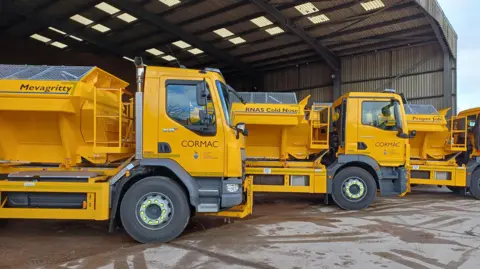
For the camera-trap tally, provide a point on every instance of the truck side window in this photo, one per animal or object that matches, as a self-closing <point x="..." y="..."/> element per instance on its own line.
<point x="379" y="114"/>
<point x="182" y="105"/>
<point x="471" y="120"/>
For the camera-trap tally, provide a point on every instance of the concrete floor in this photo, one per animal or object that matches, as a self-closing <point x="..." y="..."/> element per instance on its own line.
<point x="421" y="230"/>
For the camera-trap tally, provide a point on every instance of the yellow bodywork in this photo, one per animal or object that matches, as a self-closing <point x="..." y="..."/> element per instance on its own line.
<point x="217" y="155"/>
<point x="283" y="131"/>
<point x="472" y="116"/>
<point x="436" y="137"/>
<point x="63" y="121"/>
<point x="282" y="138"/>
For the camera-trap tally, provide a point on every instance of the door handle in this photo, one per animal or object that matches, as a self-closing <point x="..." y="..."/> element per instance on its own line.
<point x="361" y="146"/>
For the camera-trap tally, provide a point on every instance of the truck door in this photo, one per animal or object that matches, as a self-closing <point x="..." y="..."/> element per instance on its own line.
<point x="377" y="132"/>
<point x="194" y="137"/>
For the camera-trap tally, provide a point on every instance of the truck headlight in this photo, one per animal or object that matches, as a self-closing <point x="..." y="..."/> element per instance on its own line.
<point x="232" y="188"/>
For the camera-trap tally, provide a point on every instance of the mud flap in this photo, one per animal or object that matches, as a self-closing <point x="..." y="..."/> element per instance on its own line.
<point x="394" y="181"/>
<point x="400" y="184"/>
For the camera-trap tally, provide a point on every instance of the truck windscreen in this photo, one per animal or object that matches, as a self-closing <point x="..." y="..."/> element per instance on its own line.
<point x="226" y="106"/>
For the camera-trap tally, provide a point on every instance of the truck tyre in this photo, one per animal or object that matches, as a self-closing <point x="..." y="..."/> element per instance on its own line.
<point x="155" y="210"/>
<point x="354" y="188"/>
<point x="475" y="184"/>
<point x="3" y="223"/>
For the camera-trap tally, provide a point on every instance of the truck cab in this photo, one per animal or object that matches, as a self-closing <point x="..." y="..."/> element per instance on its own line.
<point x="473" y="130"/>
<point x="371" y="133"/>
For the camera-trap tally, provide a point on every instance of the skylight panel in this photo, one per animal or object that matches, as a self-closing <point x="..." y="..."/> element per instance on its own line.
<point x="371" y="5"/>
<point x="223" y="32"/>
<point x="76" y="38"/>
<point x="40" y="38"/>
<point x="127" y="58"/>
<point x="181" y="44"/>
<point x="275" y="30"/>
<point x="261" y="21"/>
<point x="195" y="51"/>
<point x="170" y="2"/>
<point x="307" y="8"/>
<point x="81" y="19"/>
<point x="319" y="18"/>
<point x="237" y="40"/>
<point x="107" y="8"/>
<point x="127" y="17"/>
<point x="101" y="28"/>
<point x="56" y="30"/>
<point x="168" y="58"/>
<point x="154" y="51"/>
<point x="59" y="44"/>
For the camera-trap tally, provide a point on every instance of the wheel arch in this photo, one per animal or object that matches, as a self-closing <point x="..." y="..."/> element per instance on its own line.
<point x="362" y="165"/>
<point x="152" y="167"/>
<point x="361" y="161"/>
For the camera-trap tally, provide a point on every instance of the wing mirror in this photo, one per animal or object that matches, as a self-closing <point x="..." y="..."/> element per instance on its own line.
<point x="204" y="117"/>
<point x="241" y="128"/>
<point x="202" y="93"/>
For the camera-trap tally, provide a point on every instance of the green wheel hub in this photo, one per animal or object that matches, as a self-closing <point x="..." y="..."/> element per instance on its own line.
<point x="154" y="210"/>
<point x="354" y="188"/>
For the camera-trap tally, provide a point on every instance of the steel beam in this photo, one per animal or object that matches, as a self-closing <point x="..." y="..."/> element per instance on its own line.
<point x="166" y="26"/>
<point x="330" y="58"/>
<point x="447" y="65"/>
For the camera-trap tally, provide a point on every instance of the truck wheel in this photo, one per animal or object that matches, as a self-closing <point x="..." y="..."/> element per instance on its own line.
<point x="354" y="188"/>
<point x="155" y="210"/>
<point x="475" y="184"/>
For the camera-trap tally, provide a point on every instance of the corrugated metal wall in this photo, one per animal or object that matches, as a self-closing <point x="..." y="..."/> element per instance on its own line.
<point x="295" y="78"/>
<point x="416" y="71"/>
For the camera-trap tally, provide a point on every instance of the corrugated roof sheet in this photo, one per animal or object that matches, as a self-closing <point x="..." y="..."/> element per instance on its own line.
<point x="348" y="21"/>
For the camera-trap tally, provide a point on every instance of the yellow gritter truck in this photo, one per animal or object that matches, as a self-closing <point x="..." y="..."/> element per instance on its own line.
<point x="327" y="149"/>
<point x="374" y="137"/>
<point x="75" y="145"/>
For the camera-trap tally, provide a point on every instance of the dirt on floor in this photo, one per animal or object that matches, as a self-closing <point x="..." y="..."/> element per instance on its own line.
<point x="421" y="230"/>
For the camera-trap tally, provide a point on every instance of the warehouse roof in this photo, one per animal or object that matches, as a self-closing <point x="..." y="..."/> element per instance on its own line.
<point x="237" y="36"/>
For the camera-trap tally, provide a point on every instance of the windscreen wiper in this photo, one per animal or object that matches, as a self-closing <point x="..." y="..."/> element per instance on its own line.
<point x="230" y="89"/>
